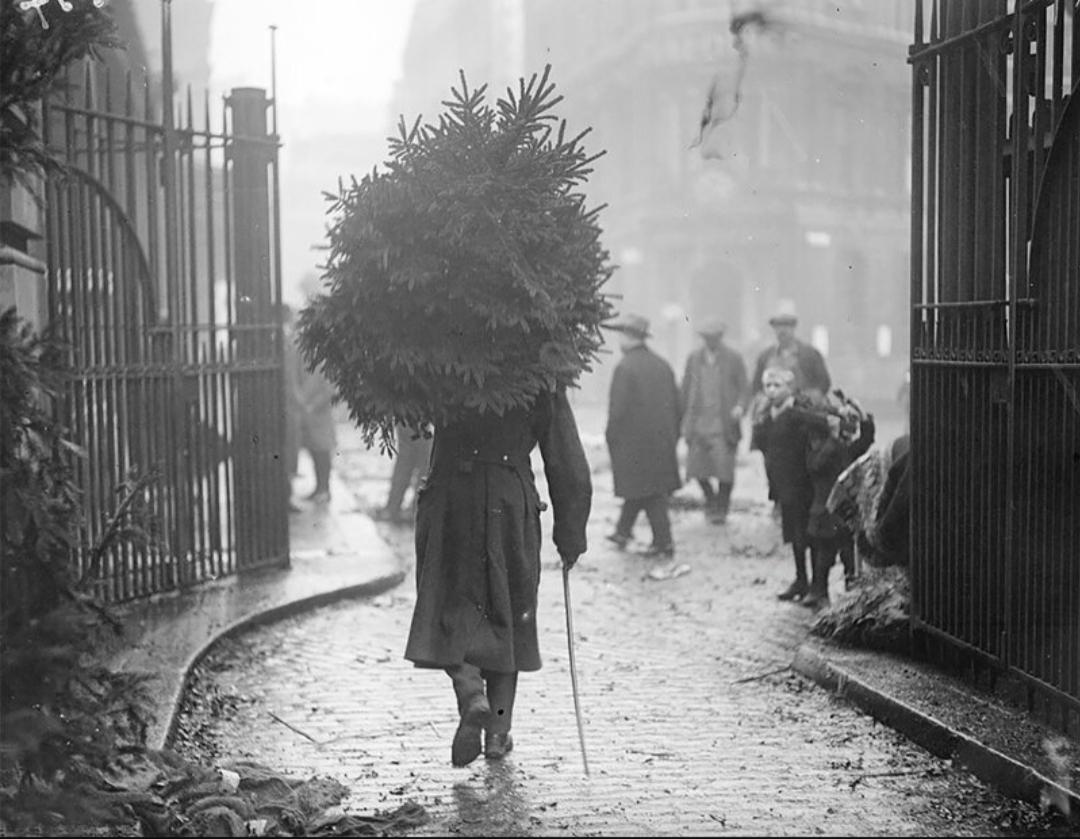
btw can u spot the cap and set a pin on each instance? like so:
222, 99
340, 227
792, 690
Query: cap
712, 326
785, 313
634, 325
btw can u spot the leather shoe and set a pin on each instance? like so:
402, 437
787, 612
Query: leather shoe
618, 540
498, 745
815, 601
794, 592
659, 552
466, 746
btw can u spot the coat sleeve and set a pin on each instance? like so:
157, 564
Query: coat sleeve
685, 392
742, 384
759, 370
568, 477
814, 371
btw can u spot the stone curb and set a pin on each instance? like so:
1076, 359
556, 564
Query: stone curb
369, 588
1009, 776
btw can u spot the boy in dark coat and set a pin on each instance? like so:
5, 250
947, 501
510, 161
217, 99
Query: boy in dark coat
642, 436
478, 557
783, 437
838, 433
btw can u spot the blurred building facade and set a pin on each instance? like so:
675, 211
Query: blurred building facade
802, 193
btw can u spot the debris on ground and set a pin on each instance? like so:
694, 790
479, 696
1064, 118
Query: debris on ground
161, 794
874, 614
668, 571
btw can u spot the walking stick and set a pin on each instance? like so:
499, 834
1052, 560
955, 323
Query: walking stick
573, 665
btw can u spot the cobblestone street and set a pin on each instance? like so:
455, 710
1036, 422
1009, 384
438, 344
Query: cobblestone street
693, 721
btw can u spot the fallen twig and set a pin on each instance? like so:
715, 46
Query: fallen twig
762, 675
894, 774
292, 727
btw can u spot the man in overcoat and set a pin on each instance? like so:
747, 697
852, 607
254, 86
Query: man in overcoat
642, 435
714, 395
478, 557
803, 360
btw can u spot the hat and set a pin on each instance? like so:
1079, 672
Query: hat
785, 313
712, 326
634, 325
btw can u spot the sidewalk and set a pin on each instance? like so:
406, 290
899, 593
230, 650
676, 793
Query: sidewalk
335, 552
338, 552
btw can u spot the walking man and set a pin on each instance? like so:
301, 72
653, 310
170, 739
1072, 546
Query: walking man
410, 469
642, 434
714, 397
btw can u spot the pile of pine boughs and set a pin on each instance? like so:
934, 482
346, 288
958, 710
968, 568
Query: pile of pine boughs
875, 614
466, 277
65, 718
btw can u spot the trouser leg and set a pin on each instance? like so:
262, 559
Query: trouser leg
708, 491
723, 497
468, 684
473, 709
321, 462
399, 482
501, 690
627, 516
799, 587
656, 509
822, 557
798, 551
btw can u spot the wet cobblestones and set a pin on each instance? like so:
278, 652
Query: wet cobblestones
693, 721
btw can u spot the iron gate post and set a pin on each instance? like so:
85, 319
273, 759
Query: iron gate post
261, 495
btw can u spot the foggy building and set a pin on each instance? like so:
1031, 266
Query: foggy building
801, 193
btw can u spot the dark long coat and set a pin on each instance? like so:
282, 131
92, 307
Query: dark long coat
643, 425
478, 534
785, 441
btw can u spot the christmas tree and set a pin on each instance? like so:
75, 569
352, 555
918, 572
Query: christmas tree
466, 277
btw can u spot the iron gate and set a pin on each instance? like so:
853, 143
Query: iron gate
164, 281
996, 339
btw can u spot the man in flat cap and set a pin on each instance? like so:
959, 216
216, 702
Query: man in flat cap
715, 391
802, 359
642, 435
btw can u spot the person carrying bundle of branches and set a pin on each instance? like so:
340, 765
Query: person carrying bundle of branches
463, 290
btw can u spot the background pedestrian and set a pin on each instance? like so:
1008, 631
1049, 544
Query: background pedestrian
642, 435
410, 469
807, 365
784, 440
838, 433
802, 359
291, 384
714, 395
318, 432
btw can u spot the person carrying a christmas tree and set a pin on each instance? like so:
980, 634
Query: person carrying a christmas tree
463, 300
